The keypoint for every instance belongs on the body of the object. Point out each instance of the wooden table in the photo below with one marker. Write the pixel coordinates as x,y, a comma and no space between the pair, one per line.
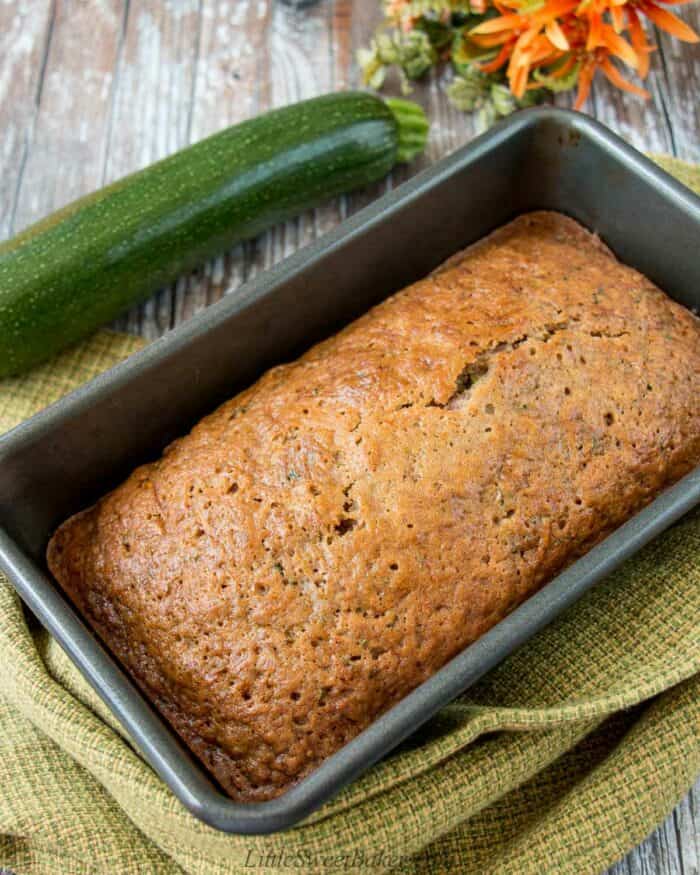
93,89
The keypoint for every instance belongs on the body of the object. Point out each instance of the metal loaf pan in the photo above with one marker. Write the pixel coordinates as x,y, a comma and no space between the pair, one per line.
68,455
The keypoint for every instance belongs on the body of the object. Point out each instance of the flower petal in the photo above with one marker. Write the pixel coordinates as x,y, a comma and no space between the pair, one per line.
639,41
585,77
518,84
503,22
491,40
560,72
669,22
499,60
618,46
594,33
618,18
614,75
554,9
556,36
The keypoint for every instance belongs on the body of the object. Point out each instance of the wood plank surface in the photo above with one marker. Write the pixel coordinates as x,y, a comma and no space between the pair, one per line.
92,91
25,37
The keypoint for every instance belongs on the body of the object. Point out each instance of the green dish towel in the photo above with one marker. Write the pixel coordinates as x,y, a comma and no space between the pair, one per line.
560,760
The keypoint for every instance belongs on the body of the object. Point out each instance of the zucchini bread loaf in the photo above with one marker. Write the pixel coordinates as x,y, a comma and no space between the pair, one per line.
326,540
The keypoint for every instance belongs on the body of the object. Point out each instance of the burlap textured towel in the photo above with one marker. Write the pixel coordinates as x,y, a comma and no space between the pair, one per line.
562,759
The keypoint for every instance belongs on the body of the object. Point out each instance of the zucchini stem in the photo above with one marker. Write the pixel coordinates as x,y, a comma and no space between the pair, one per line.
412,127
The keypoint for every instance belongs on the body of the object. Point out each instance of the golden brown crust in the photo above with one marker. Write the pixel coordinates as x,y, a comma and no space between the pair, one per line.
326,540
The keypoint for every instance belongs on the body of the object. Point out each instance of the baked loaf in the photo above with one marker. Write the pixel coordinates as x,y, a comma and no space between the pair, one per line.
329,538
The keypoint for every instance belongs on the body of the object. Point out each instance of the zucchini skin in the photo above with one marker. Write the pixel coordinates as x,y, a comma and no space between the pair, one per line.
79,268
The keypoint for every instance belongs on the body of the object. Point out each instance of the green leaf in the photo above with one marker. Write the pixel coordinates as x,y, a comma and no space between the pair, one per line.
468,91
373,70
486,116
490,98
562,83
412,53
532,97
416,54
439,33
435,8
465,52
503,100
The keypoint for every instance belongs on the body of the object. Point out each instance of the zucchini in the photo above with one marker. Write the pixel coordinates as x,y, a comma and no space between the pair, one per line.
80,267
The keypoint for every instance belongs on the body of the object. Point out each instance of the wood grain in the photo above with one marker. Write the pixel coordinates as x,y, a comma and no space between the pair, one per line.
152,112
92,91
680,64
673,848
26,30
67,149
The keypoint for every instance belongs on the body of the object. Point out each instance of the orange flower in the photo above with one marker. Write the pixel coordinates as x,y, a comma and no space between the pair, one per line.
527,41
600,60
594,44
603,35
552,44
574,34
